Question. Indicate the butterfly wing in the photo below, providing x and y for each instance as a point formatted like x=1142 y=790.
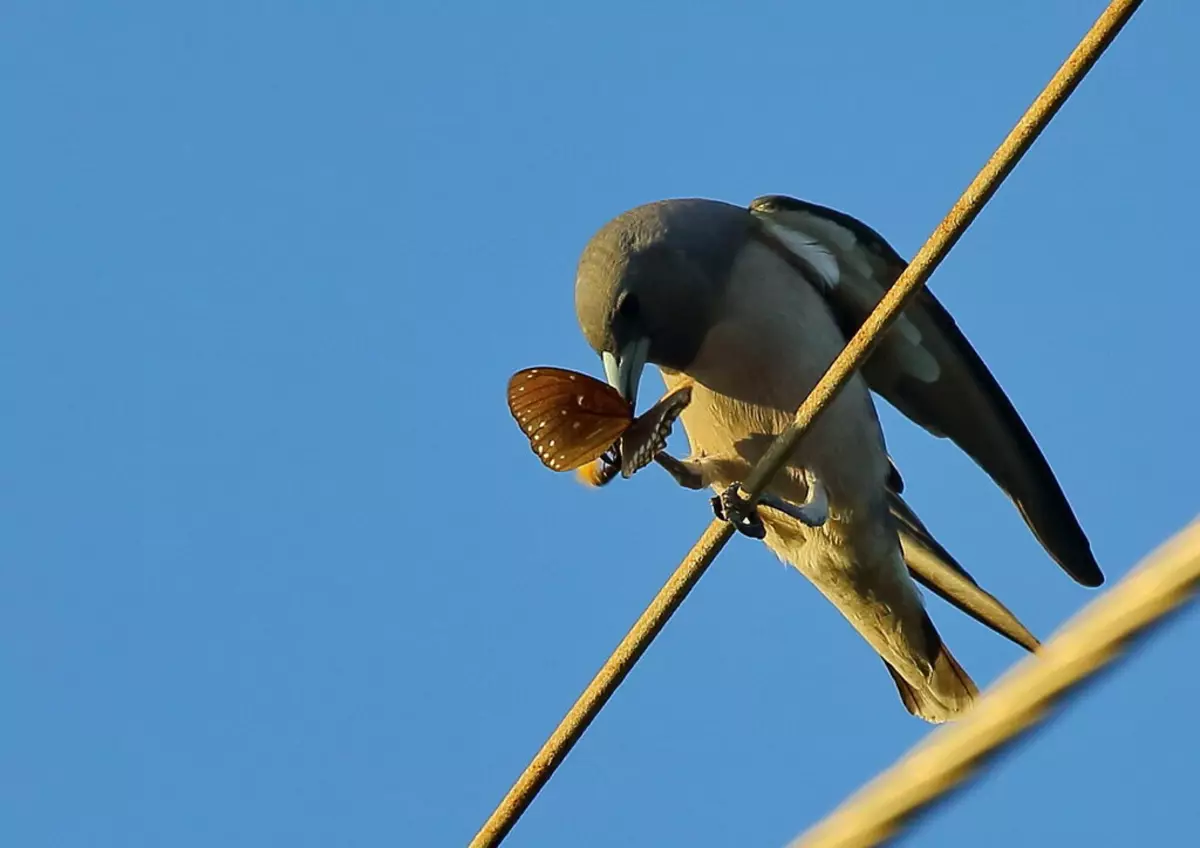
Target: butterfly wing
x=569 y=418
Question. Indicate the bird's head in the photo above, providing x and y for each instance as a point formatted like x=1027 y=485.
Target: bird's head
x=650 y=283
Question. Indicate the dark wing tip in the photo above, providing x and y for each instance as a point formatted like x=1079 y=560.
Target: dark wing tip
x=1067 y=545
x=1092 y=579
x=1081 y=565
x=1083 y=570
x=1046 y=510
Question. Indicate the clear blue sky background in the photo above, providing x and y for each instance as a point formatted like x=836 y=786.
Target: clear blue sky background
x=276 y=566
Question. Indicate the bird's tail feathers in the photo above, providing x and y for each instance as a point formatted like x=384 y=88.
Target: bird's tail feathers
x=947 y=692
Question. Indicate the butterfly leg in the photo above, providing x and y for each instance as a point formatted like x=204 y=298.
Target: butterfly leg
x=602 y=470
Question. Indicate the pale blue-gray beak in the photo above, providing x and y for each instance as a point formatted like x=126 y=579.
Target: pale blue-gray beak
x=623 y=370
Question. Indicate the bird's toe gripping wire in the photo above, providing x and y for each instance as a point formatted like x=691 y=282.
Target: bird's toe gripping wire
x=814 y=512
x=731 y=506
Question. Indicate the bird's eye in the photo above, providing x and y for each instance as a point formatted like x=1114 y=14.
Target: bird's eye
x=628 y=306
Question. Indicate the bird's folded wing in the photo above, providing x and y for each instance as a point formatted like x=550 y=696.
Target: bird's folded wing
x=926 y=368
x=933 y=567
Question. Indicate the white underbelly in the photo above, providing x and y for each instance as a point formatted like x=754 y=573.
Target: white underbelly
x=844 y=449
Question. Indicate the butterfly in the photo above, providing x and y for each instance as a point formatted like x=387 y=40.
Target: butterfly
x=572 y=419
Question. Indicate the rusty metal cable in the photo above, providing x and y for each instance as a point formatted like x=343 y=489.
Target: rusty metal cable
x=947 y=234
x=656 y=615
x=1020 y=700
x=606 y=681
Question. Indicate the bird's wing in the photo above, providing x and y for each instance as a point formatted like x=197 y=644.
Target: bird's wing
x=926 y=368
x=933 y=567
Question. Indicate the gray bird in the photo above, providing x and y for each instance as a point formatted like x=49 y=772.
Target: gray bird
x=749 y=307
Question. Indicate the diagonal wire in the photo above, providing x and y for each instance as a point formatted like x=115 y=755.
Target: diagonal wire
x=655 y=617
x=1164 y=581
x=947 y=234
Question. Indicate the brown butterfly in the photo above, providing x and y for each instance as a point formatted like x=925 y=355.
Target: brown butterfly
x=572 y=420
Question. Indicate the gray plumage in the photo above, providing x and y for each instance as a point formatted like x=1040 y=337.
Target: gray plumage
x=749 y=307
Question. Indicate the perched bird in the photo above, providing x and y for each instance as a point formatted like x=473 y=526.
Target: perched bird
x=749 y=306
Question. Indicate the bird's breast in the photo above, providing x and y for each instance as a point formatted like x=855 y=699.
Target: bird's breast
x=771 y=341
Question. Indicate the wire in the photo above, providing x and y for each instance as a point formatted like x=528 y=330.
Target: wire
x=689 y=572
x=606 y=681
x=1021 y=699
x=947 y=234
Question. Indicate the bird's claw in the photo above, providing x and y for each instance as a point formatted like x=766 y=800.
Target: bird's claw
x=732 y=507
x=646 y=437
x=814 y=512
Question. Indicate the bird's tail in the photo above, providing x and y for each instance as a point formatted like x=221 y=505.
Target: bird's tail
x=946 y=693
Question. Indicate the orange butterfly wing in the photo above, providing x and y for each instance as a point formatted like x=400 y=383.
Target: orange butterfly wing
x=569 y=418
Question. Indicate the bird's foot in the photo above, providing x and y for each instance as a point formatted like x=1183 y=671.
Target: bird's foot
x=685 y=472
x=814 y=512
x=646 y=437
x=732 y=507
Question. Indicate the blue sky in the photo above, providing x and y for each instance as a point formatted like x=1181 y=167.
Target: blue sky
x=276 y=566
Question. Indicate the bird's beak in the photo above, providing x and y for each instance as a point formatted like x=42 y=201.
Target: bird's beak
x=623 y=370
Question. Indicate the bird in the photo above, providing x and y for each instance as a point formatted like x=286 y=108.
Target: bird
x=749 y=305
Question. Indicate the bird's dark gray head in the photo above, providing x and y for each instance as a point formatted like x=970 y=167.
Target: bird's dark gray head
x=650 y=281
